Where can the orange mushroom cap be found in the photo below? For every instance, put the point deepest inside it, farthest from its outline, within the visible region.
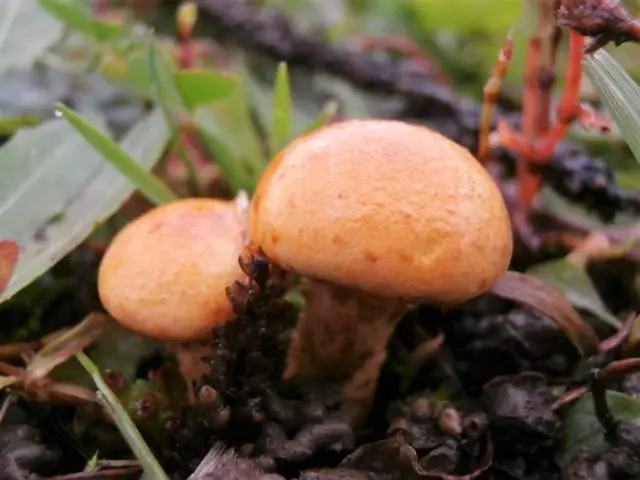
(393, 209)
(164, 275)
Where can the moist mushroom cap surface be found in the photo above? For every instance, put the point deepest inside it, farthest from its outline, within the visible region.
(164, 274)
(394, 209)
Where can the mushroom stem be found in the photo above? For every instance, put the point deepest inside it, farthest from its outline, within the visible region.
(342, 334)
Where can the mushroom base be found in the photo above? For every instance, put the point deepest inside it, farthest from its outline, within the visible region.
(342, 335)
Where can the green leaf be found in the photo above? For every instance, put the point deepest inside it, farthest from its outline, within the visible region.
(164, 89)
(147, 183)
(620, 94)
(462, 16)
(19, 46)
(574, 282)
(582, 429)
(230, 135)
(77, 15)
(128, 429)
(199, 87)
(55, 188)
(282, 126)
(327, 113)
(129, 61)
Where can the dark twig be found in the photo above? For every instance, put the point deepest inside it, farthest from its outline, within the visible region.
(604, 20)
(600, 405)
(617, 369)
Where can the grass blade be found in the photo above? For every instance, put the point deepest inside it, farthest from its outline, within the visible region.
(146, 182)
(282, 109)
(328, 112)
(129, 431)
(620, 94)
(199, 87)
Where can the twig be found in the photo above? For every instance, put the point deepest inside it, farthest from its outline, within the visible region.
(490, 93)
(605, 20)
(600, 404)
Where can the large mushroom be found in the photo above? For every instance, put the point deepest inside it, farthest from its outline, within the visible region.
(376, 216)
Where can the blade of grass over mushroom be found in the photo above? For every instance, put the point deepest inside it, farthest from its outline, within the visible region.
(536, 294)
(9, 253)
(199, 87)
(620, 94)
(328, 112)
(282, 126)
(576, 285)
(231, 137)
(146, 182)
(128, 430)
(77, 15)
(66, 346)
(55, 189)
(166, 93)
(19, 47)
(582, 430)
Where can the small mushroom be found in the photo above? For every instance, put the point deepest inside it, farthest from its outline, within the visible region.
(164, 275)
(377, 216)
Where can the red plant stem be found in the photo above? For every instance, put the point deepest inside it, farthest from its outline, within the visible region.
(490, 92)
(569, 105)
(539, 80)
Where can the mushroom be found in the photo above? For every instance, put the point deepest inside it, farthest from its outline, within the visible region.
(376, 216)
(165, 274)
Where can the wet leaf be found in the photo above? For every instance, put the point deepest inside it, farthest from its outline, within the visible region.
(282, 126)
(128, 429)
(394, 459)
(539, 295)
(54, 189)
(576, 285)
(199, 87)
(138, 175)
(19, 19)
(582, 429)
(77, 15)
(9, 253)
(620, 94)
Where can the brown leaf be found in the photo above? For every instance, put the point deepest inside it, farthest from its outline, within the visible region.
(394, 459)
(66, 346)
(539, 295)
(9, 253)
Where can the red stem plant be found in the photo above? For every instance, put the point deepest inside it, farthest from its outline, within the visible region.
(543, 125)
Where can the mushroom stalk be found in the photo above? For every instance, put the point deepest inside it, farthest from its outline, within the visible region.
(342, 334)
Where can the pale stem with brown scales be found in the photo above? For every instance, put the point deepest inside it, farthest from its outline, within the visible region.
(342, 335)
